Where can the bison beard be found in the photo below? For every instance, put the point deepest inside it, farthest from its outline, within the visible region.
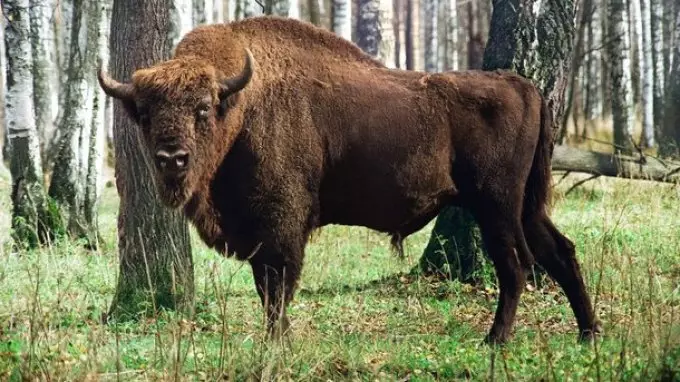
(310, 131)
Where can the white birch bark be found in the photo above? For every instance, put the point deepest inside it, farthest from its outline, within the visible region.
(218, 11)
(28, 196)
(342, 18)
(657, 61)
(386, 32)
(4, 143)
(41, 40)
(646, 74)
(451, 56)
(618, 52)
(70, 176)
(294, 11)
(430, 34)
(181, 19)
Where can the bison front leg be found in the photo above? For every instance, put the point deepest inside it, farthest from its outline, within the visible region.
(276, 285)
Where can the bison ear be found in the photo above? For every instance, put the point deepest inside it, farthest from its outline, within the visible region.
(233, 85)
(124, 92)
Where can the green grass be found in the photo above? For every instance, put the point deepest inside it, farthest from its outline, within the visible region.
(358, 316)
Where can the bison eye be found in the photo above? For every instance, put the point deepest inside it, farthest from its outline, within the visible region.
(203, 112)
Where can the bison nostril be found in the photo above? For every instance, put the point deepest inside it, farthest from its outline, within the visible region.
(181, 160)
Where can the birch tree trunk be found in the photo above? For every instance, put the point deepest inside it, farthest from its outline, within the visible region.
(342, 18)
(182, 19)
(4, 142)
(386, 32)
(533, 38)
(412, 42)
(644, 27)
(32, 221)
(41, 39)
(198, 12)
(314, 12)
(593, 98)
(218, 11)
(156, 268)
(294, 11)
(621, 87)
(657, 61)
(70, 175)
(430, 11)
(451, 47)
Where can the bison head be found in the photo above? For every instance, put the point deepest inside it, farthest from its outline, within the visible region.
(178, 105)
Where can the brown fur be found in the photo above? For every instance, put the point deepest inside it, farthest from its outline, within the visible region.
(325, 134)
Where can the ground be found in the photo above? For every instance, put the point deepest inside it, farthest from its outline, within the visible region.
(359, 315)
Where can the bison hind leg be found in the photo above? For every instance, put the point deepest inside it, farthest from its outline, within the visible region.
(397, 243)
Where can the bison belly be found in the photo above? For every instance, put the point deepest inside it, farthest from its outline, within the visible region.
(392, 198)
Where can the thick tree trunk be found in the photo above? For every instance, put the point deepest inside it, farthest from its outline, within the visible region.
(533, 38)
(621, 86)
(156, 267)
(41, 39)
(69, 178)
(32, 220)
(342, 18)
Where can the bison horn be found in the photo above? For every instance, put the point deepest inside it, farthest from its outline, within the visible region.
(238, 82)
(114, 88)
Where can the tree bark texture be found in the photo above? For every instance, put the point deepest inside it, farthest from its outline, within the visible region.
(670, 144)
(41, 39)
(621, 86)
(412, 34)
(430, 20)
(156, 269)
(72, 165)
(33, 222)
(368, 27)
(657, 61)
(386, 33)
(593, 97)
(646, 74)
(533, 38)
(618, 165)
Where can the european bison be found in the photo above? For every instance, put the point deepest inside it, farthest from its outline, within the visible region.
(308, 131)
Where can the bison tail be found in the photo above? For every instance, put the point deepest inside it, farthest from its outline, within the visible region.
(538, 187)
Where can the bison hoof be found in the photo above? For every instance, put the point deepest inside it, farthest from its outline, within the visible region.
(492, 339)
(589, 335)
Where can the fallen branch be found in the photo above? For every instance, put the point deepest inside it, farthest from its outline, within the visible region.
(567, 158)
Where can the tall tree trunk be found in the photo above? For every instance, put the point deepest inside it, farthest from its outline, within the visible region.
(4, 142)
(593, 98)
(294, 11)
(576, 63)
(657, 25)
(156, 267)
(386, 30)
(621, 87)
(218, 11)
(430, 12)
(647, 75)
(533, 38)
(412, 42)
(182, 19)
(198, 12)
(451, 47)
(69, 178)
(41, 39)
(32, 220)
(342, 18)
(314, 12)
(368, 27)
(671, 129)
(397, 26)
